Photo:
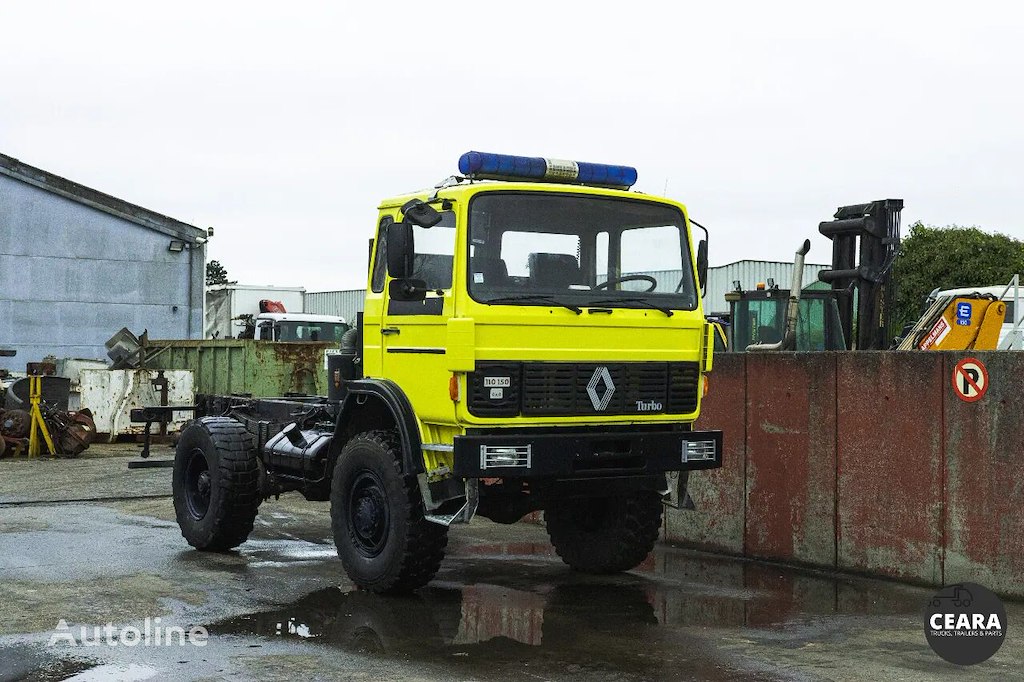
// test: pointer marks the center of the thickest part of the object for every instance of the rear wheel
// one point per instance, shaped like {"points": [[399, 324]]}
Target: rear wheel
{"points": [[383, 539], [215, 483], [605, 535]]}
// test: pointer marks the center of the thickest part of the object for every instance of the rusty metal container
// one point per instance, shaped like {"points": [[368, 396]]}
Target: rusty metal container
{"points": [[259, 368]]}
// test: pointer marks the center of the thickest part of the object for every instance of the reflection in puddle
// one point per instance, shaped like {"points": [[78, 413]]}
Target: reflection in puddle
{"points": [[282, 551], [653, 622], [439, 620]]}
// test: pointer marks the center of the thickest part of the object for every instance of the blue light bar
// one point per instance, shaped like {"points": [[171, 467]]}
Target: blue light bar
{"points": [[484, 166]]}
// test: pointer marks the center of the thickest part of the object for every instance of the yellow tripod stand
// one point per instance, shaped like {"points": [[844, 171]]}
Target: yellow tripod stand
{"points": [[35, 395]]}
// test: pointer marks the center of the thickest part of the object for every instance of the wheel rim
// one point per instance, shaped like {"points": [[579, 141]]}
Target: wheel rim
{"points": [[369, 516], [198, 484]]}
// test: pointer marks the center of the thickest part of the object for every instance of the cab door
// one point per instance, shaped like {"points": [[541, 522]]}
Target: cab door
{"points": [[413, 333]]}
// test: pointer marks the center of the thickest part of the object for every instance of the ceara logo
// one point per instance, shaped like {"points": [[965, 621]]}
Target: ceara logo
{"points": [[648, 406], [965, 623]]}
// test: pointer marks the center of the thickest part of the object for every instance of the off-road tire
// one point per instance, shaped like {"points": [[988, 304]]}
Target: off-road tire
{"points": [[224, 448], [605, 535], [383, 539]]}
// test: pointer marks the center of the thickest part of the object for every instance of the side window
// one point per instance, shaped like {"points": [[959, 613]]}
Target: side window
{"points": [[810, 333], [435, 252], [381, 263]]}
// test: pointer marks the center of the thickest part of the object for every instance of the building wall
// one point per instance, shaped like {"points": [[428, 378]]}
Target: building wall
{"points": [[71, 276], [720, 281], [749, 273], [344, 303]]}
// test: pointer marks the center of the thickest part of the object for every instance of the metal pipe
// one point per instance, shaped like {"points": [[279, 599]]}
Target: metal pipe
{"points": [[1013, 339], [788, 341]]}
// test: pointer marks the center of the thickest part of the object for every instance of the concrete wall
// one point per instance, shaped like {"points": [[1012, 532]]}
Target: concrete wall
{"points": [[72, 275], [865, 462]]}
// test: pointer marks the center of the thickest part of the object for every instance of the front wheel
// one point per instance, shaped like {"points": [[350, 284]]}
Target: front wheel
{"points": [[380, 531], [607, 534]]}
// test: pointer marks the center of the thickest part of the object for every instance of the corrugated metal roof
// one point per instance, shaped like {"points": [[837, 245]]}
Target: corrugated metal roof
{"points": [[14, 168]]}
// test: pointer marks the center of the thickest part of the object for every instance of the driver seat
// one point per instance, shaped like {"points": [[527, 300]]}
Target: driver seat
{"points": [[554, 270]]}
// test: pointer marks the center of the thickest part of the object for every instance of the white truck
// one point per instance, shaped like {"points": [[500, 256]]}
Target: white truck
{"points": [[266, 313], [298, 327]]}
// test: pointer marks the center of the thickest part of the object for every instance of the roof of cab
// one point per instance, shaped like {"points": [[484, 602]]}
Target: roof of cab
{"points": [[461, 190]]}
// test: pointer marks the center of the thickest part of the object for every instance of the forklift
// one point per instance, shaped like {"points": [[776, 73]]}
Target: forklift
{"points": [[853, 314]]}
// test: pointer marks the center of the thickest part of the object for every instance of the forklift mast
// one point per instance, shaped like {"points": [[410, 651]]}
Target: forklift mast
{"points": [[865, 243]]}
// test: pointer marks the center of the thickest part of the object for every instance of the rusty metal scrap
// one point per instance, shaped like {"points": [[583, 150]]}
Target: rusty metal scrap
{"points": [[14, 423], [72, 432]]}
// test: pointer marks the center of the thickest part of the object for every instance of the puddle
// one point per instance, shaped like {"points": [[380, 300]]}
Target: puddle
{"points": [[465, 625], [34, 663], [129, 672], [278, 552], [645, 622]]}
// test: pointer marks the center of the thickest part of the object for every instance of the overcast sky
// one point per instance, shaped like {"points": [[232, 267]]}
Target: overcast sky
{"points": [[282, 125]]}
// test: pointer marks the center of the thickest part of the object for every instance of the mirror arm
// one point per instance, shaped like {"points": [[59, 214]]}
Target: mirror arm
{"points": [[707, 241], [707, 237]]}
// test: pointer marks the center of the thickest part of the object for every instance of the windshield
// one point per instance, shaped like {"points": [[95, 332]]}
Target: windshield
{"points": [[310, 331], [578, 250]]}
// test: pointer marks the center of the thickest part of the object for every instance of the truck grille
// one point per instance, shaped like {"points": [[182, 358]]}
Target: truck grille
{"points": [[576, 389]]}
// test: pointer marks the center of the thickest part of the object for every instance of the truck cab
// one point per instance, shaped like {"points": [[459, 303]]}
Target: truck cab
{"points": [[758, 317], [537, 307], [302, 327]]}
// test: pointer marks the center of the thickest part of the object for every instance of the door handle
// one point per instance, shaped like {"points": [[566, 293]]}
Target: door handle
{"points": [[388, 331]]}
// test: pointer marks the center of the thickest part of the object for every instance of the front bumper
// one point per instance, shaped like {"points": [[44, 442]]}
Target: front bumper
{"points": [[555, 453]]}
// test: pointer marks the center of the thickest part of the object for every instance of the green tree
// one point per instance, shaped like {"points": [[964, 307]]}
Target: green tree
{"points": [[217, 274], [949, 258]]}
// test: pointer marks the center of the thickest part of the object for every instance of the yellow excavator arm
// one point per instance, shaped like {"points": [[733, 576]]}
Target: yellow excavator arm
{"points": [[965, 322]]}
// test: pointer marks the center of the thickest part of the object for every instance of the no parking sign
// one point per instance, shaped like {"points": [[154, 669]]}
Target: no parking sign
{"points": [[970, 380]]}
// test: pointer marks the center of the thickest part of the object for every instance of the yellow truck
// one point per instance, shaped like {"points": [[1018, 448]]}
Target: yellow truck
{"points": [[532, 339]]}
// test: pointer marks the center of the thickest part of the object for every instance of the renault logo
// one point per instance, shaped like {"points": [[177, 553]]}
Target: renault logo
{"points": [[601, 375]]}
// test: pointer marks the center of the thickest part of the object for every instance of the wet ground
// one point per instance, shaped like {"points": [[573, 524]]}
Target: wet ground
{"points": [[502, 607]]}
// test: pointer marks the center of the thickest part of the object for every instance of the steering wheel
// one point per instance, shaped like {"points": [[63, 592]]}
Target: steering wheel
{"points": [[630, 278]]}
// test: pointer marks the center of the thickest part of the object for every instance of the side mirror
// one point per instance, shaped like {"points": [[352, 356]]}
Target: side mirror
{"points": [[400, 250], [702, 263], [407, 290], [421, 214]]}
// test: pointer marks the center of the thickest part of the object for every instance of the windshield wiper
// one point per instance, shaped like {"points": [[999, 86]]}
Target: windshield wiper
{"points": [[642, 301], [534, 297]]}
